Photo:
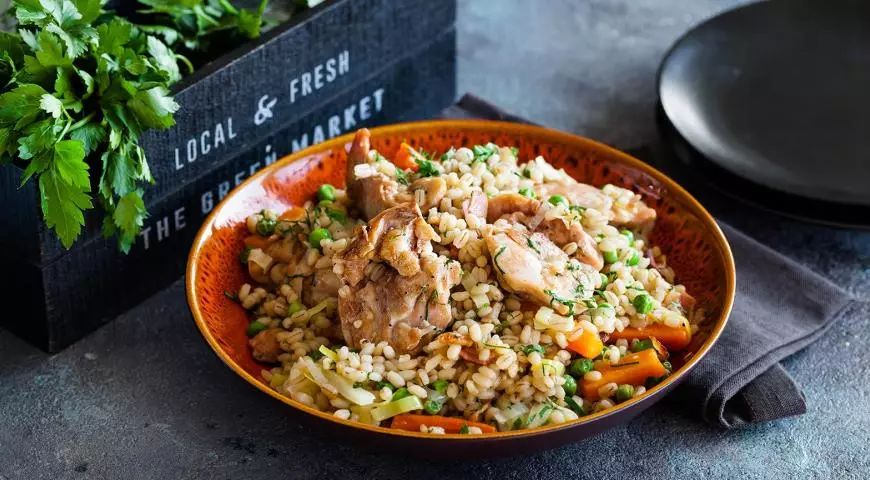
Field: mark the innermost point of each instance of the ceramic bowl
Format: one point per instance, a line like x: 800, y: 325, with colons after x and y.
x: 687, y: 234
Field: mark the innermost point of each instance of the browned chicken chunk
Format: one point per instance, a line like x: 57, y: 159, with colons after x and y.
x: 533, y: 267
x: 434, y: 189
x: 374, y: 193
x: 636, y: 214
x: 403, y: 300
x: 265, y: 346
x: 560, y: 231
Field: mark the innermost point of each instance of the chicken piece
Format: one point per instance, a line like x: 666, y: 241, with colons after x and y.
x: 532, y: 266
x: 320, y: 286
x: 477, y: 204
x: 374, y: 193
x: 397, y: 236
x: 635, y: 214
x: 403, y: 310
x: 434, y: 188
x: 286, y: 250
x: 560, y: 231
x: 265, y: 346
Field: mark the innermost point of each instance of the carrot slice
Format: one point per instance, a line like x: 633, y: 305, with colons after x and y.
x: 412, y: 423
x: 632, y: 369
x: 588, y: 344
x: 256, y: 241
x: 675, y: 338
x: 405, y: 158
x: 292, y: 214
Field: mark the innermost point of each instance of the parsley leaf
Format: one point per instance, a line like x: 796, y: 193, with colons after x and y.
x: 402, y: 177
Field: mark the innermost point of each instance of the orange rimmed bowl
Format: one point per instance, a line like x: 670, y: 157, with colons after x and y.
x: 695, y: 247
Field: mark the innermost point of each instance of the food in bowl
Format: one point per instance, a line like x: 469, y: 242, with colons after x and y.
x: 463, y: 292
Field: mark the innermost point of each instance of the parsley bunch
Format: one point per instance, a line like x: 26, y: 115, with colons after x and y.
x: 79, y: 85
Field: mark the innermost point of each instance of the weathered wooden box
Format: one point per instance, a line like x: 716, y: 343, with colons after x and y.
x: 336, y: 68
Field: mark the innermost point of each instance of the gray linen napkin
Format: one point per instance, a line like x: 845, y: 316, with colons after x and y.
x: 780, y: 308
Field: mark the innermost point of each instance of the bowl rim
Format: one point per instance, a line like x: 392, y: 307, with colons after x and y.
x: 474, y: 124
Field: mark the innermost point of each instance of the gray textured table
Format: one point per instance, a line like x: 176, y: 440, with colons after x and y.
x: 144, y: 397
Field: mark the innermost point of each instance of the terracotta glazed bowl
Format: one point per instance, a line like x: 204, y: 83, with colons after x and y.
x: 687, y: 234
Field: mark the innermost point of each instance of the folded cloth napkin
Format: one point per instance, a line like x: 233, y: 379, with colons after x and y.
x: 780, y: 308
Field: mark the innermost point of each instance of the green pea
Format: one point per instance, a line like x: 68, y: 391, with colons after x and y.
x: 318, y: 235
x: 624, y: 392
x: 627, y: 234
x: 527, y: 192
x: 266, y: 226
x: 580, y: 367
x: 557, y: 199
x: 255, y: 327
x: 570, y: 386
x: 440, y: 385
x: 432, y: 407
x: 611, y: 257
x: 243, y: 257
x: 294, y: 307
x: 604, y: 281
x: 641, y: 345
x: 642, y: 303
x: 326, y: 192
x: 400, y: 394
x: 633, y: 260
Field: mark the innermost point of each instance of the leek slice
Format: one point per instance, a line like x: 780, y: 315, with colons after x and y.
x: 346, y: 389
x: 391, y: 409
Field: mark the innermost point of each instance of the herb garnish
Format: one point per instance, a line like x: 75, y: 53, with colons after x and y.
x: 495, y: 259
x: 532, y: 245
x: 402, y: 177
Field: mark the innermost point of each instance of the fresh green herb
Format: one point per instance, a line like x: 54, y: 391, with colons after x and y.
x: 500, y: 327
x: 402, y: 177
x: 255, y: 327
x: 518, y: 423
x: 577, y: 209
x: 202, y: 25
x: 532, y: 245
x: 326, y: 192
x: 483, y: 152
x: 315, y: 355
x: 668, y: 366
x: 527, y: 192
x: 528, y: 349
x: 266, y: 226
x: 590, y: 303
x: 626, y: 364
x: 641, y: 345
x: 555, y: 298
x: 400, y: 394
x: 427, y: 168
x: 232, y: 296
x: 515, y: 151
x: 448, y: 154
x: 359, y: 384
x: 464, y: 429
x: 495, y: 258
x: 337, y: 215
x: 527, y: 172
x: 380, y: 385
x: 246, y: 252
x: 489, y: 345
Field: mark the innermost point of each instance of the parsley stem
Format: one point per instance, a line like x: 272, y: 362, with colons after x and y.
x: 185, y: 61
x: 81, y: 123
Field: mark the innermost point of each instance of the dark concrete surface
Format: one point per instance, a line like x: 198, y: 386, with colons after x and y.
x: 144, y: 397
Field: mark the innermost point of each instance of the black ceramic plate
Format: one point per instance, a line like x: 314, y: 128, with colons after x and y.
x: 692, y: 164
x: 778, y: 93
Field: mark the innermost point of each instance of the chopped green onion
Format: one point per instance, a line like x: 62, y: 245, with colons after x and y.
x: 528, y: 349
x: 668, y: 366
x: 440, y: 385
x: 432, y: 407
x: 604, y: 281
x: 576, y: 406
x: 641, y: 345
